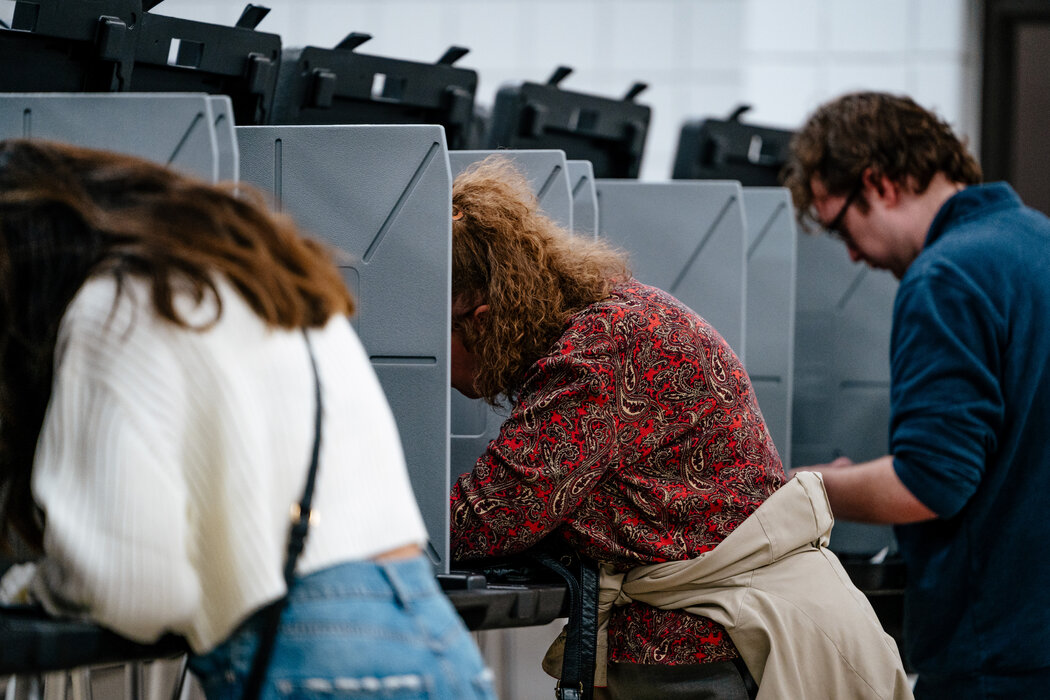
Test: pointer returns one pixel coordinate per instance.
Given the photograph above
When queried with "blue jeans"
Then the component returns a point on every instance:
(357, 630)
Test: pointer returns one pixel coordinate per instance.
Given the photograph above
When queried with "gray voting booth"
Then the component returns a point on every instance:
(474, 423)
(770, 322)
(193, 133)
(842, 377)
(381, 194)
(688, 238)
(584, 198)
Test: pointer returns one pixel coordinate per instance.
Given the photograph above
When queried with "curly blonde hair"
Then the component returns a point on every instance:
(532, 273)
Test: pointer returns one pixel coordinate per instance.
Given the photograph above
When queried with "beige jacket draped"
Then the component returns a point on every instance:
(801, 626)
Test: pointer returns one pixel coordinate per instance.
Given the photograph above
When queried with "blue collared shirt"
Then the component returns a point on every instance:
(970, 435)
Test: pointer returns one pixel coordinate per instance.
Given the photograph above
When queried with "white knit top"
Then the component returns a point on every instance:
(169, 458)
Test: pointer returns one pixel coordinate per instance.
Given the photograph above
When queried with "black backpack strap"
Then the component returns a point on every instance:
(296, 541)
(581, 631)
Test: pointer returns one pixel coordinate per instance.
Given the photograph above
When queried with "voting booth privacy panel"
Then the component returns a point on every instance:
(193, 133)
(584, 198)
(770, 314)
(811, 327)
(381, 195)
(842, 375)
(687, 238)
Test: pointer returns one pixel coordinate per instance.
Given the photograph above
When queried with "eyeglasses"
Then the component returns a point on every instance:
(834, 227)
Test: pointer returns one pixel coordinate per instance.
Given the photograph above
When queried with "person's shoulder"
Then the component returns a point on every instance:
(984, 250)
(97, 291)
(964, 273)
(986, 217)
(653, 302)
(935, 270)
(631, 296)
(117, 310)
(104, 302)
(104, 326)
(631, 306)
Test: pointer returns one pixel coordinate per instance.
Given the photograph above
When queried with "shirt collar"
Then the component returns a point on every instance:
(972, 201)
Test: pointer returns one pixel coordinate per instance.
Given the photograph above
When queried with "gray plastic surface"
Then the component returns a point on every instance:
(584, 198)
(842, 377)
(546, 170)
(382, 194)
(771, 262)
(688, 238)
(174, 129)
(474, 423)
(225, 138)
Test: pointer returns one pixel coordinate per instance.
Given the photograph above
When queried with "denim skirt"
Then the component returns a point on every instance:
(362, 629)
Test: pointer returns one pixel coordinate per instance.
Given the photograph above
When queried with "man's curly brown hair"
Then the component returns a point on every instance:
(890, 134)
(532, 273)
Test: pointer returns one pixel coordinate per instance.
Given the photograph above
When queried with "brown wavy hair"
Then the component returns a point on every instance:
(890, 134)
(68, 213)
(531, 272)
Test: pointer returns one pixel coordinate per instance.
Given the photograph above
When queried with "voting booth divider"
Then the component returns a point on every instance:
(381, 196)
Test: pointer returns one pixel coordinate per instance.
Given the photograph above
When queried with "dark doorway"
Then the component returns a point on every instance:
(1015, 119)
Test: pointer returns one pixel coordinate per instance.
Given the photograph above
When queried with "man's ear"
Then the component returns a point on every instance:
(885, 189)
(480, 311)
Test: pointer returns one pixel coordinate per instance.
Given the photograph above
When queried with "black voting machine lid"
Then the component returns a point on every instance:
(340, 86)
(728, 149)
(608, 132)
(68, 46)
(119, 46)
(182, 55)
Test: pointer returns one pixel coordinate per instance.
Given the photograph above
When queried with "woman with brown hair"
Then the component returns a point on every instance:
(166, 349)
(634, 438)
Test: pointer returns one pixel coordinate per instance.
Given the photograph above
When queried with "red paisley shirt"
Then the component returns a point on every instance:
(637, 440)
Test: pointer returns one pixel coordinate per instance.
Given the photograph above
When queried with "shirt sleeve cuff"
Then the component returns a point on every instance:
(929, 486)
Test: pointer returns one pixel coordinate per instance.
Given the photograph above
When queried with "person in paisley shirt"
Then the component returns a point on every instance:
(634, 435)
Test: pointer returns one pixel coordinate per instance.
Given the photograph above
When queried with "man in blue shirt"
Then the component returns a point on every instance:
(966, 483)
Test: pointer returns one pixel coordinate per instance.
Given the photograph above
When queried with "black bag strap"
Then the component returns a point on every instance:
(296, 541)
(581, 632)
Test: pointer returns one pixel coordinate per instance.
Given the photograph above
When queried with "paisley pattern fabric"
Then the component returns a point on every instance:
(636, 440)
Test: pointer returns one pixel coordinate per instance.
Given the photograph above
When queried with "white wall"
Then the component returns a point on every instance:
(700, 57)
